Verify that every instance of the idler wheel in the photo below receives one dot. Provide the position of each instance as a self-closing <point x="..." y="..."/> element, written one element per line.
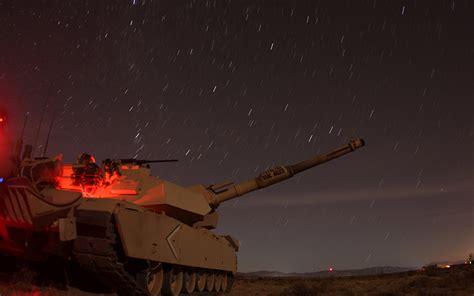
<point x="225" y="282"/>
<point x="217" y="282"/>
<point x="173" y="281"/>
<point x="210" y="277"/>
<point x="155" y="278"/>
<point x="189" y="280"/>
<point x="201" y="280"/>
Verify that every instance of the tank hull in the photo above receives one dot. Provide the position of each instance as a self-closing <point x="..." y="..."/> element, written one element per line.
<point x="147" y="235"/>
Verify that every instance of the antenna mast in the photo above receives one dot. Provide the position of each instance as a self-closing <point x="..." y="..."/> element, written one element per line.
<point x="49" y="135"/>
<point x="19" y="143"/>
<point x="24" y="125"/>
<point x="42" y="117"/>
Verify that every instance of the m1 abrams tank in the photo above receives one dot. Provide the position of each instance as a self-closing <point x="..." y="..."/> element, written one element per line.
<point x="136" y="233"/>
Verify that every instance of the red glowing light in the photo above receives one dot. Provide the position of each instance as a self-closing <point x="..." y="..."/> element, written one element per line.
<point x="32" y="293"/>
<point x="2" y="119"/>
<point x="331" y="269"/>
<point x="3" y="230"/>
<point x="124" y="191"/>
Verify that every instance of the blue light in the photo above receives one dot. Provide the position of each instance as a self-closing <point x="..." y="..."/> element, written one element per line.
<point x="1" y="180"/>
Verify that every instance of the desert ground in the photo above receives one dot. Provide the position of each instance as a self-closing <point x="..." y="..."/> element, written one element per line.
<point x="455" y="281"/>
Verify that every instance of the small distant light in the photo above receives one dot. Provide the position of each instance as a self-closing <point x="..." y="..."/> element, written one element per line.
<point x="2" y="119"/>
<point x="1" y="180"/>
<point x="448" y="266"/>
<point x="331" y="269"/>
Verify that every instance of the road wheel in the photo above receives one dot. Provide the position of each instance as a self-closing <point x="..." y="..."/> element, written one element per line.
<point x="155" y="279"/>
<point x="173" y="281"/>
<point x="189" y="280"/>
<point x="201" y="280"/>
<point x="210" y="276"/>
<point x="224" y="282"/>
<point x="217" y="281"/>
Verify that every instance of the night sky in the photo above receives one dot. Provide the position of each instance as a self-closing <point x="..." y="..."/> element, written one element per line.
<point x="231" y="88"/>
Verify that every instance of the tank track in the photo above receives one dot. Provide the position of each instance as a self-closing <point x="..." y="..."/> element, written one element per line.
<point x="100" y="258"/>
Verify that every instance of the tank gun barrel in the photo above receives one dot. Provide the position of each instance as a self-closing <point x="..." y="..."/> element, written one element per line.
<point x="280" y="173"/>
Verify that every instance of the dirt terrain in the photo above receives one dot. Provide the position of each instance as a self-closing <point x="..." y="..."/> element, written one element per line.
<point x="456" y="281"/>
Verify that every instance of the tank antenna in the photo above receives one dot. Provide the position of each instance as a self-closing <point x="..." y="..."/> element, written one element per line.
<point x="49" y="135"/>
<point x="24" y="125"/>
<point x="41" y="119"/>
<point x="19" y="143"/>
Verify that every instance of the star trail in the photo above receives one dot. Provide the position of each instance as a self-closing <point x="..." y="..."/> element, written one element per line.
<point x="231" y="88"/>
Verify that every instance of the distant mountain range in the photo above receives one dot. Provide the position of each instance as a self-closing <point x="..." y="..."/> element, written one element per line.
<point x="327" y="273"/>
